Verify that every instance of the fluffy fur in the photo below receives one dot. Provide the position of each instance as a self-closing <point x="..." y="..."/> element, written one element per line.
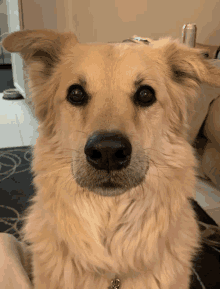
<point x="147" y="235"/>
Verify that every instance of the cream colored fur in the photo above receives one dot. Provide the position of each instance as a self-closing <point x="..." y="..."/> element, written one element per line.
<point x="148" y="235"/>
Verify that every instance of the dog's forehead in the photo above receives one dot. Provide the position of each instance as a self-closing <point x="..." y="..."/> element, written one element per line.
<point x="104" y="61"/>
<point x="109" y="52"/>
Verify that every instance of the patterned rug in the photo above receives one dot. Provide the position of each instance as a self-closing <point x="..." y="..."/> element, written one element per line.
<point x="16" y="188"/>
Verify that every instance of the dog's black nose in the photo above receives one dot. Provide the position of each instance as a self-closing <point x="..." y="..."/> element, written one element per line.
<point x="108" y="151"/>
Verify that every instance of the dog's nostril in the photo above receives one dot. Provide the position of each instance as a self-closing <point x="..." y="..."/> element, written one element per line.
<point x="108" y="151"/>
<point x="120" y="154"/>
<point x="95" y="154"/>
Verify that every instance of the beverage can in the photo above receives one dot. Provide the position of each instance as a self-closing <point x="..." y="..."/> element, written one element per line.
<point x="189" y="31"/>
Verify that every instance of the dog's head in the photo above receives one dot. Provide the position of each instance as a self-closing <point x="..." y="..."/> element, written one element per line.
<point x="116" y="113"/>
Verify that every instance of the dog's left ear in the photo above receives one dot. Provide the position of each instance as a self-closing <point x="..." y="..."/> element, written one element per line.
<point x="40" y="46"/>
<point x="187" y="63"/>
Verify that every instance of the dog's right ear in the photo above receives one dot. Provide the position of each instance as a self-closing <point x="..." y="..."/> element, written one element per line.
<point x="41" y="51"/>
<point x="41" y="45"/>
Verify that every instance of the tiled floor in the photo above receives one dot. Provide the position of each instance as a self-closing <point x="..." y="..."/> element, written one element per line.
<point x="19" y="128"/>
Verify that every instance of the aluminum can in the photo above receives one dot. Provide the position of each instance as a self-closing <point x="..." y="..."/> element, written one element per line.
<point x="189" y="34"/>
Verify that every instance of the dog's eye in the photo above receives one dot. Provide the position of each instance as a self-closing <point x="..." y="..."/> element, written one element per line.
<point x="76" y="95"/>
<point x="145" y="96"/>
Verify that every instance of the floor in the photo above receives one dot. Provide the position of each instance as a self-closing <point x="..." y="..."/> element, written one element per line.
<point x="19" y="128"/>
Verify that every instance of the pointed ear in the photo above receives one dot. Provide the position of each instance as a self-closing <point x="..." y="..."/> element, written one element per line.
<point x="187" y="63"/>
<point x="38" y="45"/>
<point x="185" y="69"/>
<point x="41" y="51"/>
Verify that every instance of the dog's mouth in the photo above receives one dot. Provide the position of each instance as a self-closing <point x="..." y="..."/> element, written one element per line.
<point x="110" y="185"/>
<point x="106" y="186"/>
<point x="109" y="188"/>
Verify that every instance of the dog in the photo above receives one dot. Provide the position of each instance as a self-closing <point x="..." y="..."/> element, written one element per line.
<point x="113" y="170"/>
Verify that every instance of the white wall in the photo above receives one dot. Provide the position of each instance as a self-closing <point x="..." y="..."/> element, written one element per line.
<point x="115" y="20"/>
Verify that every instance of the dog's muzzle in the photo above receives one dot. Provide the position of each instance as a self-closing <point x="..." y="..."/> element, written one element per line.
<point x="109" y="166"/>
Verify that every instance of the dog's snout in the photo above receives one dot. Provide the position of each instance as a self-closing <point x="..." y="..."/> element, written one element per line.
<point x="108" y="151"/>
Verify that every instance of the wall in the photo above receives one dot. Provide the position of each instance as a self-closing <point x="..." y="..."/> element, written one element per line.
<point x="118" y="19"/>
<point x="3" y="17"/>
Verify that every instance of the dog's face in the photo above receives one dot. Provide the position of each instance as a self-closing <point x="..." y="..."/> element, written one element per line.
<point x="115" y="113"/>
<point x="106" y="96"/>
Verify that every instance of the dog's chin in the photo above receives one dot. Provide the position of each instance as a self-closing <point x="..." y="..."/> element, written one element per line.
<point x="109" y="189"/>
<point x="106" y="188"/>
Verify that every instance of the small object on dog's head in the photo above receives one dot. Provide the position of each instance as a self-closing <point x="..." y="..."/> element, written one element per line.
<point x="137" y="39"/>
<point x="141" y="39"/>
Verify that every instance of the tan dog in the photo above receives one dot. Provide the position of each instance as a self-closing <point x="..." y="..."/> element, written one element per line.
<point x="113" y="170"/>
